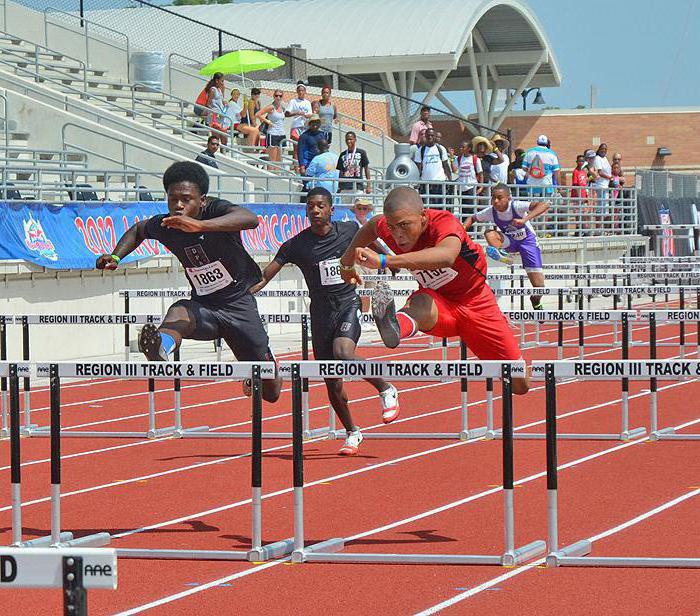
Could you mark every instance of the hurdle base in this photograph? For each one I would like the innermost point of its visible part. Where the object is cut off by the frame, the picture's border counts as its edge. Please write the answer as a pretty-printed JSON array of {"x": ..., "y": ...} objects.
[
  {"x": 45, "y": 433},
  {"x": 326, "y": 432},
  {"x": 629, "y": 562},
  {"x": 670, "y": 434},
  {"x": 42, "y": 542},
  {"x": 27, "y": 430},
  {"x": 185, "y": 432},
  {"x": 574, "y": 436},
  {"x": 323, "y": 548},
  {"x": 524, "y": 553},
  {"x": 95, "y": 541},
  {"x": 457, "y": 436},
  {"x": 272, "y": 550},
  {"x": 578, "y": 549}
]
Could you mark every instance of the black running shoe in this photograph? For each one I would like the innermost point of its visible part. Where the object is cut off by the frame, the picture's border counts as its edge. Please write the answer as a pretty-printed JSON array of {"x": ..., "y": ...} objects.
[
  {"x": 384, "y": 313},
  {"x": 150, "y": 343}
]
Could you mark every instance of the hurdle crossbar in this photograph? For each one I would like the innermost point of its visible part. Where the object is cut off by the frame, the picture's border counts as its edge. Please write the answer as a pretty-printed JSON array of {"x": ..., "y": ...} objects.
[
  {"x": 327, "y": 551},
  {"x": 576, "y": 554}
]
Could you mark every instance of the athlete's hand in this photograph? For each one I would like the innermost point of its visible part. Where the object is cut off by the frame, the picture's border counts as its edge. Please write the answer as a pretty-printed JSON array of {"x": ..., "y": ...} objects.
[
  {"x": 366, "y": 257},
  {"x": 106, "y": 262},
  {"x": 350, "y": 276},
  {"x": 183, "y": 223},
  {"x": 519, "y": 222}
]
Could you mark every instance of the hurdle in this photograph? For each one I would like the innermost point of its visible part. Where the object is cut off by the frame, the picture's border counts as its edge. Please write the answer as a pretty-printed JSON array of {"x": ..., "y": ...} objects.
[
  {"x": 75, "y": 571},
  {"x": 576, "y": 554},
  {"x": 327, "y": 551},
  {"x": 257, "y": 372}
]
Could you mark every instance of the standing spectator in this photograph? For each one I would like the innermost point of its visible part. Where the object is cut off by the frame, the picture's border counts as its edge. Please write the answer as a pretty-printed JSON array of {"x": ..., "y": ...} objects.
[
  {"x": 215, "y": 104},
  {"x": 353, "y": 163},
  {"x": 579, "y": 192},
  {"x": 363, "y": 208},
  {"x": 326, "y": 110},
  {"x": 308, "y": 143},
  {"x": 206, "y": 157},
  {"x": 541, "y": 166},
  {"x": 324, "y": 166},
  {"x": 617, "y": 158},
  {"x": 423, "y": 124},
  {"x": 248, "y": 125},
  {"x": 500, "y": 161},
  {"x": 431, "y": 159},
  {"x": 273, "y": 116},
  {"x": 469, "y": 172},
  {"x": 438, "y": 137},
  {"x": 602, "y": 187},
  {"x": 516, "y": 173},
  {"x": 617, "y": 182},
  {"x": 299, "y": 109}
]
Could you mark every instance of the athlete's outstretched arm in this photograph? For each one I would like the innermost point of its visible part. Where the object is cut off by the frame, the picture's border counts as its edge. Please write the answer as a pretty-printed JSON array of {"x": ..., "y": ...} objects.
[
  {"x": 128, "y": 242},
  {"x": 236, "y": 219},
  {"x": 444, "y": 254},
  {"x": 364, "y": 237},
  {"x": 268, "y": 274},
  {"x": 537, "y": 208}
]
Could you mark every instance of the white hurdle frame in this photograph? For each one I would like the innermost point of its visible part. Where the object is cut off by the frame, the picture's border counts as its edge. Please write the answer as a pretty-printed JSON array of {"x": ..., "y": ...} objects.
[
  {"x": 576, "y": 554},
  {"x": 327, "y": 551},
  {"x": 256, "y": 371}
]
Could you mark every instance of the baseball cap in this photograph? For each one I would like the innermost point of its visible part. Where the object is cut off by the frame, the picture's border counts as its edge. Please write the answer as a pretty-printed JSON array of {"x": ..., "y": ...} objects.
[
  {"x": 542, "y": 140},
  {"x": 589, "y": 153},
  {"x": 314, "y": 118}
]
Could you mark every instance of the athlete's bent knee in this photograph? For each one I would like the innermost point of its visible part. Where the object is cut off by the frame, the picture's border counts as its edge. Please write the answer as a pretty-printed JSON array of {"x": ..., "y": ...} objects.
[
  {"x": 271, "y": 390},
  {"x": 521, "y": 386}
]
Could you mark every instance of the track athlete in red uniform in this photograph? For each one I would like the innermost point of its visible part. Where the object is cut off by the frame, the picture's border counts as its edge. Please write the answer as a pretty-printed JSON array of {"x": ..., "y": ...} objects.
[
  {"x": 205, "y": 236},
  {"x": 453, "y": 298},
  {"x": 335, "y": 306}
]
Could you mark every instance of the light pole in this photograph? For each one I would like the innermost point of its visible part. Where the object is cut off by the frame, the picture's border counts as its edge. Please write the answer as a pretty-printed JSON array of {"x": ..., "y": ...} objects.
[{"x": 539, "y": 99}]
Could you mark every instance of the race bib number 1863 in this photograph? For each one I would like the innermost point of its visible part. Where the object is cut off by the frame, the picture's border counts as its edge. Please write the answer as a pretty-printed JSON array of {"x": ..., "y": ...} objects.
[{"x": 209, "y": 278}]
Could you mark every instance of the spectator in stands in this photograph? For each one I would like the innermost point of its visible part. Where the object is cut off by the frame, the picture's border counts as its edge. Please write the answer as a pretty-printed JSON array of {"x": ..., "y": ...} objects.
[
  {"x": 516, "y": 173},
  {"x": 206, "y": 157},
  {"x": 308, "y": 143},
  {"x": 353, "y": 163},
  {"x": 232, "y": 111},
  {"x": 617, "y": 158},
  {"x": 438, "y": 137},
  {"x": 467, "y": 166},
  {"x": 326, "y": 110},
  {"x": 299, "y": 109},
  {"x": 617, "y": 182},
  {"x": 248, "y": 125},
  {"x": 500, "y": 161},
  {"x": 323, "y": 166},
  {"x": 423, "y": 124},
  {"x": 602, "y": 187},
  {"x": 215, "y": 104},
  {"x": 433, "y": 166},
  {"x": 579, "y": 209},
  {"x": 541, "y": 166},
  {"x": 273, "y": 117}
]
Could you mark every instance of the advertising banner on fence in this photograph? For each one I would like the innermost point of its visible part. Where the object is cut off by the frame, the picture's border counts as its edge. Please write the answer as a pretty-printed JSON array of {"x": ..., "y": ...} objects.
[{"x": 72, "y": 235}]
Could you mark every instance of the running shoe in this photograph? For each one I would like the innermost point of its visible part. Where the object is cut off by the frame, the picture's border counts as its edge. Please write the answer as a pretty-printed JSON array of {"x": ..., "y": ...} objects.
[
  {"x": 247, "y": 387},
  {"x": 538, "y": 306},
  {"x": 390, "y": 404},
  {"x": 384, "y": 313},
  {"x": 498, "y": 255},
  {"x": 352, "y": 444},
  {"x": 150, "y": 343}
]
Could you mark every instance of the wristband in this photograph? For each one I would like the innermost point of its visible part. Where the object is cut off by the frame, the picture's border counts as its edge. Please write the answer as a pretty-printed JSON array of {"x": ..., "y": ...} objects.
[
  {"x": 382, "y": 261},
  {"x": 116, "y": 258},
  {"x": 347, "y": 268}
]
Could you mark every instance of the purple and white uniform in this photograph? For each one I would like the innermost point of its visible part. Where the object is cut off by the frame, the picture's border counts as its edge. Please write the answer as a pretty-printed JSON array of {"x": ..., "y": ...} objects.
[{"x": 522, "y": 240}]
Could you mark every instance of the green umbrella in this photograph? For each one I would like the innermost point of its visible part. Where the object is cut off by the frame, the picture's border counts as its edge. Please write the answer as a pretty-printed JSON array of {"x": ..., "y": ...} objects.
[{"x": 241, "y": 61}]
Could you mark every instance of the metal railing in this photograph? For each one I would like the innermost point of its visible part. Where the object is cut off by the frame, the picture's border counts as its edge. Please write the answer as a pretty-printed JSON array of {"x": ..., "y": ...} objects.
[
  {"x": 666, "y": 184},
  {"x": 85, "y": 25},
  {"x": 5, "y": 114},
  {"x": 39, "y": 157}
]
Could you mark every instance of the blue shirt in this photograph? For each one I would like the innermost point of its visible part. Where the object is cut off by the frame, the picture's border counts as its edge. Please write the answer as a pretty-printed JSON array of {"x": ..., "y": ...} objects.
[
  {"x": 308, "y": 146},
  {"x": 324, "y": 166}
]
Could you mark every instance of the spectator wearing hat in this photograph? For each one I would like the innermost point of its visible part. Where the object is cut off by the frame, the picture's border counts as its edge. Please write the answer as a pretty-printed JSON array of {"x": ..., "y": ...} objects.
[
  {"x": 308, "y": 143},
  {"x": 421, "y": 126},
  {"x": 500, "y": 161},
  {"x": 541, "y": 165}
]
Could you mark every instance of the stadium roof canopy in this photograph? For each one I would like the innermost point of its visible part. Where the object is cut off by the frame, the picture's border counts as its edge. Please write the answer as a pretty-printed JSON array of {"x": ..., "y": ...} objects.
[{"x": 405, "y": 46}]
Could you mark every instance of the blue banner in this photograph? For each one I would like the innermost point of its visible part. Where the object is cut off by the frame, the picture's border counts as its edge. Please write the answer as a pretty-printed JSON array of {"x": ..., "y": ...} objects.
[{"x": 73, "y": 235}]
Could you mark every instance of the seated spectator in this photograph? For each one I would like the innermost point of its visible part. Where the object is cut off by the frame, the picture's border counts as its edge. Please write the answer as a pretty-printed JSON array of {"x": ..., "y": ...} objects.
[
  {"x": 432, "y": 162},
  {"x": 323, "y": 166},
  {"x": 232, "y": 111},
  {"x": 326, "y": 110},
  {"x": 467, "y": 166},
  {"x": 206, "y": 157},
  {"x": 308, "y": 143},
  {"x": 248, "y": 125},
  {"x": 420, "y": 126},
  {"x": 353, "y": 163}
]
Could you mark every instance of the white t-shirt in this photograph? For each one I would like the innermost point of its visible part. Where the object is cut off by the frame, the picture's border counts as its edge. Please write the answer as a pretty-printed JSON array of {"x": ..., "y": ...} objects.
[
  {"x": 299, "y": 104},
  {"x": 499, "y": 171},
  {"x": 433, "y": 157},
  {"x": 521, "y": 208},
  {"x": 466, "y": 171},
  {"x": 602, "y": 164}
]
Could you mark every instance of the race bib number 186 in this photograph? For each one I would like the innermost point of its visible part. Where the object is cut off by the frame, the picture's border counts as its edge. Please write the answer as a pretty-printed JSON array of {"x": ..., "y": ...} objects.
[{"x": 330, "y": 272}]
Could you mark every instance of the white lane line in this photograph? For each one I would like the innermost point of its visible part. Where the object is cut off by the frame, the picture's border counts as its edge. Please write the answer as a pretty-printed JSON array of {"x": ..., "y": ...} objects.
[
  {"x": 506, "y": 576},
  {"x": 484, "y": 586}
]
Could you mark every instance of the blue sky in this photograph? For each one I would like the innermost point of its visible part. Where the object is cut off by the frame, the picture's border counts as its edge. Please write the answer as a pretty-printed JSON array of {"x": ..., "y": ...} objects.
[{"x": 639, "y": 53}]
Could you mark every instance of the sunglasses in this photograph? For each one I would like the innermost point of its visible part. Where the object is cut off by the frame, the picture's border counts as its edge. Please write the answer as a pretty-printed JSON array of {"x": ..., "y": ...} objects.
[{"x": 278, "y": 96}]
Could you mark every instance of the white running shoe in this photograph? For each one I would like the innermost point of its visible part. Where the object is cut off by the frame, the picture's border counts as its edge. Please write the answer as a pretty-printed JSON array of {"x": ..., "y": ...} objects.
[
  {"x": 352, "y": 444},
  {"x": 390, "y": 404}
]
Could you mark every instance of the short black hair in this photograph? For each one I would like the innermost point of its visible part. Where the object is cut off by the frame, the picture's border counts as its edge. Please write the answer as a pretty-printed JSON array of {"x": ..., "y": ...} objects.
[
  {"x": 500, "y": 186},
  {"x": 424, "y": 108},
  {"x": 186, "y": 171},
  {"x": 318, "y": 190},
  {"x": 351, "y": 132},
  {"x": 254, "y": 91},
  {"x": 211, "y": 138}
]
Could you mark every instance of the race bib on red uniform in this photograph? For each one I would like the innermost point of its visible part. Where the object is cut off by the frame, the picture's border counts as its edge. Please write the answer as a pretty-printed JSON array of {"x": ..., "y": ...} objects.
[
  {"x": 434, "y": 279},
  {"x": 209, "y": 278}
]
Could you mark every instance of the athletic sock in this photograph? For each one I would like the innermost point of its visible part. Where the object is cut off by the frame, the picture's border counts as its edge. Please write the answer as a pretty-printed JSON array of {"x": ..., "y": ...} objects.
[
  {"x": 168, "y": 343},
  {"x": 407, "y": 326}
]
